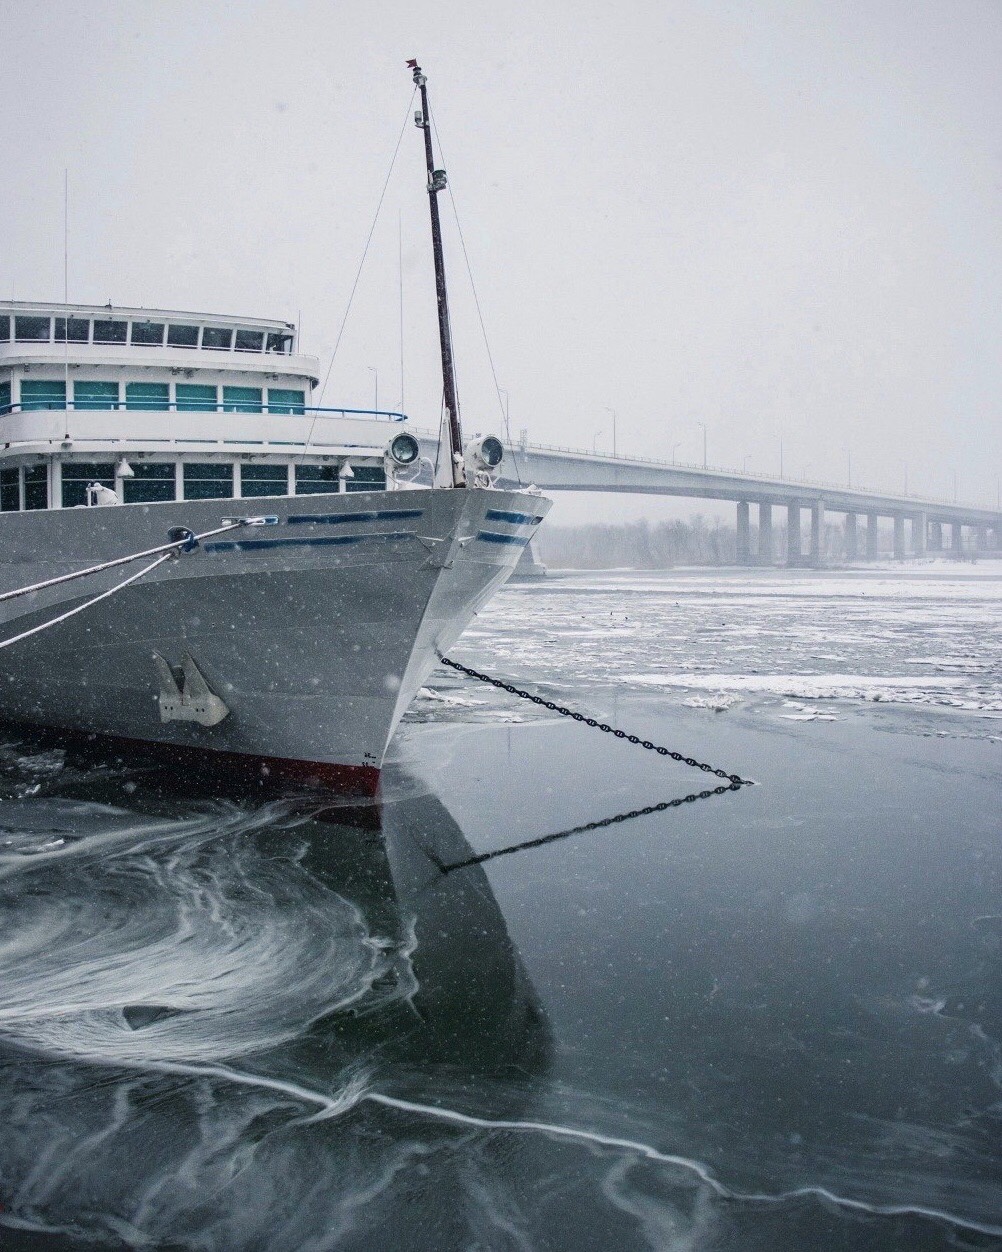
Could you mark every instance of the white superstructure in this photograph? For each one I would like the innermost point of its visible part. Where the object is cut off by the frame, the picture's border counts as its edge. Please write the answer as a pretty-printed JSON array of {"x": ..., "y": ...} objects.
[
  {"x": 183, "y": 400},
  {"x": 294, "y": 648}
]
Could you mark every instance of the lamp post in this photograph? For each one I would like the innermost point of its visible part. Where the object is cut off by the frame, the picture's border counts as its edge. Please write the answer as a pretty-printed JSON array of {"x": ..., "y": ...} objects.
[
  {"x": 744, "y": 464},
  {"x": 702, "y": 426},
  {"x": 375, "y": 375},
  {"x": 673, "y": 447},
  {"x": 613, "y": 412},
  {"x": 594, "y": 443}
]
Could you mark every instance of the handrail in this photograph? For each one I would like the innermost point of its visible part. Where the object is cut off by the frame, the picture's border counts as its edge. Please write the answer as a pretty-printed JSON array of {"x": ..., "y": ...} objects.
[{"x": 285, "y": 409}]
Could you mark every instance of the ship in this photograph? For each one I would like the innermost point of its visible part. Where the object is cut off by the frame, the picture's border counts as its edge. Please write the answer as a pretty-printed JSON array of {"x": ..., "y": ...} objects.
[{"x": 304, "y": 582}]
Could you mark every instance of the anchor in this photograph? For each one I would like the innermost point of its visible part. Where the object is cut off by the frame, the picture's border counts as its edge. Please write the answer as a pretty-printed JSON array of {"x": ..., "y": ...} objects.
[{"x": 193, "y": 700}]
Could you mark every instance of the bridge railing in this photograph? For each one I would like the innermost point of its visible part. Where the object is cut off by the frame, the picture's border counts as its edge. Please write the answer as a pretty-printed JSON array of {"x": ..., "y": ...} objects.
[
  {"x": 736, "y": 473},
  {"x": 751, "y": 477}
]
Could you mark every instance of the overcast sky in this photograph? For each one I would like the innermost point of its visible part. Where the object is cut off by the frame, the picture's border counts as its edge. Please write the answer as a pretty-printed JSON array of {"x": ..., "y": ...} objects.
[{"x": 781, "y": 220}]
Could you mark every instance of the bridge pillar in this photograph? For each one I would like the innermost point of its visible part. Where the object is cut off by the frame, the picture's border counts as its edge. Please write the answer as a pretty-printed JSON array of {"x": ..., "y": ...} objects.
[
  {"x": 851, "y": 538},
  {"x": 899, "y": 536},
  {"x": 793, "y": 550},
  {"x": 957, "y": 538},
  {"x": 765, "y": 552},
  {"x": 872, "y": 549},
  {"x": 529, "y": 565},
  {"x": 817, "y": 530},
  {"x": 981, "y": 539},
  {"x": 936, "y": 536},
  {"x": 919, "y": 524},
  {"x": 744, "y": 532}
]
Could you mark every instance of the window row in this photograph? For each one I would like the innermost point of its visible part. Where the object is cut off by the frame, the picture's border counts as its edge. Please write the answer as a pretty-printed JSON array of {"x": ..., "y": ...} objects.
[
  {"x": 50, "y": 393},
  {"x": 157, "y": 481},
  {"x": 35, "y": 329}
]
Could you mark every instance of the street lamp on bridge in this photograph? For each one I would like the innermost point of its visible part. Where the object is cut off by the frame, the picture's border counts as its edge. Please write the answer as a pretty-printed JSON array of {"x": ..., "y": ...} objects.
[
  {"x": 613, "y": 412},
  {"x": 703, "y": 428}
]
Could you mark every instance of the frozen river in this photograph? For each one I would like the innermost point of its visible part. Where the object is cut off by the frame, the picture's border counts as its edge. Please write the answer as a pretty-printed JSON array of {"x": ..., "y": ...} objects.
[{"x": 769, "y": 1019}]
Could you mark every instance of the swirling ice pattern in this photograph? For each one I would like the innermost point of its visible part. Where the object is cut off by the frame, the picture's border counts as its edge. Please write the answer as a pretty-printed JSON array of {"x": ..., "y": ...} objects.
[{"x": 186, "y": 945}]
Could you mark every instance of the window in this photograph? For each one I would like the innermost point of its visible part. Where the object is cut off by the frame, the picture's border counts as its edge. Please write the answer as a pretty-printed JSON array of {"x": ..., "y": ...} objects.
[
  {"x": 210, "y": 481},
  {"x": 148, "y": 332},
  {"x": 315, "y": 479},
  {"x": 367, "y": 478},
  {"x": 43, "y": 393},
  {"x": 182, "y": 336},
  {"x": 78, "y": 475},
  {"x": 277, "y": 340},
  {"x": 215, "y": 337},
  {"x": 282, "y": 401},
  {"x": 194, "y": 398},
  {"x": 31, "y": 329},
  {"x": 250, "y": 340},
  {"x": 110, "y": 332},
  {"x": 10, "y": 490},
  {"x": 94, "y": 395},
  {"x": 148, "y": 396},
  {"x": 36, "y": 486},
  {"x": 264, "y": 480},
  {"x": 72, "y": 330},
  {"x": 152, "y": 481},
  {"x": 4, "y": 398},
  {"x": 241, "y": 399},
  {"x": 4, "y": 329}
]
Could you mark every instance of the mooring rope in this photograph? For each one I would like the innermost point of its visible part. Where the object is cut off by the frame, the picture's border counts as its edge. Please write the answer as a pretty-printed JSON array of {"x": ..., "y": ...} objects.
[
  {"x": 34, "y": 630},
  {"x": 186, "y": 541},
  {"x": 120, "y": 560}
]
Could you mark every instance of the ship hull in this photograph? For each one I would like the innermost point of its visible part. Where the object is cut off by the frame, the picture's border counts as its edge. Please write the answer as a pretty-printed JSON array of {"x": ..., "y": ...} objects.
[{"x": 316, "y": 632}]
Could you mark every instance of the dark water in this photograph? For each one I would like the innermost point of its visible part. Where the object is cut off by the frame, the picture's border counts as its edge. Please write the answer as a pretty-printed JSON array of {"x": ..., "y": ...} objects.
[{"x": 764, "y": 1020}]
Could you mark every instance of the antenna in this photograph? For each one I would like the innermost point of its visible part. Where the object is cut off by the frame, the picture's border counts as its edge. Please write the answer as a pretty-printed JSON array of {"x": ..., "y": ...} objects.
[{"x": 66, "y": 302}]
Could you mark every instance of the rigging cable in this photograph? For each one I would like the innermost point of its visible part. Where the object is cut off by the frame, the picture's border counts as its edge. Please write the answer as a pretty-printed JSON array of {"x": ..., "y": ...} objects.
[
  {"x": 358, "y": 272},
  {"x": 476, "y": 301}
]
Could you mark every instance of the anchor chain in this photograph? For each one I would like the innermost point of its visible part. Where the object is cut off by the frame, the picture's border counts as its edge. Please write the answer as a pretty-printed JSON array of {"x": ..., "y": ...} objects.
[{"x": 735, "y": 780}]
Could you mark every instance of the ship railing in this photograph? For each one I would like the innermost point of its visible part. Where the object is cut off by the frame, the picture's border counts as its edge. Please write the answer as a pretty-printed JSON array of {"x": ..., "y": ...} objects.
[{"x": 191, "y": 406}]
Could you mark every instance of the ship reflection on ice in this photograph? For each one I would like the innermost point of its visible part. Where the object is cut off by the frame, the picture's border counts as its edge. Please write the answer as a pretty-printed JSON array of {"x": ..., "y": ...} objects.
[{"x": 195, "y": 1004}]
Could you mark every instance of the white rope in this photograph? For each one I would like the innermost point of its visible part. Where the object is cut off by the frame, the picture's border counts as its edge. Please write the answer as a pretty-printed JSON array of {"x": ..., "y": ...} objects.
[
  {"x": 25, "y": 634},
  {"x": 121, "y": 560}
]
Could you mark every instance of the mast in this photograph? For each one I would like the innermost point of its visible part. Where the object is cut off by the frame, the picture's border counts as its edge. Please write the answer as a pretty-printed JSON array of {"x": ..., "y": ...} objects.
[{"x": 437, "y": 182}]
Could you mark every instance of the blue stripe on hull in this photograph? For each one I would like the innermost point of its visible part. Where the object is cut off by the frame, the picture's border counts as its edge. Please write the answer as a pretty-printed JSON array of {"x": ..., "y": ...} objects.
[
  {"x": 489, "y": 536},
  {"x": 321, "y": 541},
  {"x": 516, "y": 519},
  {"x": 336, "y": 519}
]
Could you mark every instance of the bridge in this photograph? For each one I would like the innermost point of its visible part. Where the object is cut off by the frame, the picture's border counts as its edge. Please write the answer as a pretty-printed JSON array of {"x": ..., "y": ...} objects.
[{"x": 919, "y": 523}]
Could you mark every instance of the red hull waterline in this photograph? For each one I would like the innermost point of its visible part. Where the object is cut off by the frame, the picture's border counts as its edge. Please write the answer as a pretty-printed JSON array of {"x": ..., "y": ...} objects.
[{"x": 351, "y": 780}]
